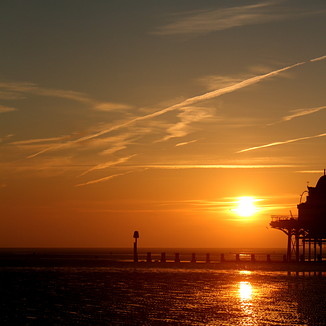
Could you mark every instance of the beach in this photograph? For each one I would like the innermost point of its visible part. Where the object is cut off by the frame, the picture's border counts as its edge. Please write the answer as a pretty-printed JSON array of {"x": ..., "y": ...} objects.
[{"x": 98, "y": 291}]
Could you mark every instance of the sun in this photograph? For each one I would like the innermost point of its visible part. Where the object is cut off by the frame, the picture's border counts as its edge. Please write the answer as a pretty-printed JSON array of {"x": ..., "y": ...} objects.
[{"x": 245, "y": 206}]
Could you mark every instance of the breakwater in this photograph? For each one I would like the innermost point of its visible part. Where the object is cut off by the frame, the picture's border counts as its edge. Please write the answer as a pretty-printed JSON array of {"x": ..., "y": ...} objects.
[{"x": 165, "y": 257}]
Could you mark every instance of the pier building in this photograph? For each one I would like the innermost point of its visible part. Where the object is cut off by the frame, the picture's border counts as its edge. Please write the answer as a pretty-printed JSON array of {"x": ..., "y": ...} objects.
[{"x": 306, "y": 232}]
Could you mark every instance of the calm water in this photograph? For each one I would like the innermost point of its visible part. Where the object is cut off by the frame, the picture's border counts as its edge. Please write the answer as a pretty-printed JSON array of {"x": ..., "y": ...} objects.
[{"x": 159, "y": 296}]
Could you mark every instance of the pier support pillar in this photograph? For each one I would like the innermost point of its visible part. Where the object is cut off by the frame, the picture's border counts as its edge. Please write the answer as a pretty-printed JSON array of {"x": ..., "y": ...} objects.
[
  {"x": 297, "y": 248},
  {"x": 288, "y": 254}
]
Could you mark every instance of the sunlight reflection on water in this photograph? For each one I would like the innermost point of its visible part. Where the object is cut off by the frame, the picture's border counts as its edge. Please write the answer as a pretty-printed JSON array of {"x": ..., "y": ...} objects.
[{"x": 157, "y": 296}]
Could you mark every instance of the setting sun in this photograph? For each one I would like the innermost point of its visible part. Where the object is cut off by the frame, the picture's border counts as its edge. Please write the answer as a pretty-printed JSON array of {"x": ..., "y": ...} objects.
[{"x": 245, "y": 206}]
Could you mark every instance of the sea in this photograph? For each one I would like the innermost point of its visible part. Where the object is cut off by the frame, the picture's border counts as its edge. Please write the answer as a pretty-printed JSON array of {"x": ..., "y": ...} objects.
[{"x": 104, "y": 287}]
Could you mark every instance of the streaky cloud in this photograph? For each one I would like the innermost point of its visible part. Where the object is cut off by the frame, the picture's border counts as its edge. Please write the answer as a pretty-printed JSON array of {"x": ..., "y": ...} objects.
[
  {"x": 213, "y": 166},
  {"x": 5, "y": 109},
  {"x": 303, "y": 112},
  {"x": 37, "y": 140},
  {"x": 102, "y": 179},
  {"x": 281, "y": 143},
  {"x": 32, "y": 88},
  {"x": 109, "y": 164},
  {"x": 318, "y": 59},
  {"x": 186, "y": 142},
  {"x": 206, "y": 21},
  {"x": 188, "y": 102},
  {"x": 188, "y": 115}
]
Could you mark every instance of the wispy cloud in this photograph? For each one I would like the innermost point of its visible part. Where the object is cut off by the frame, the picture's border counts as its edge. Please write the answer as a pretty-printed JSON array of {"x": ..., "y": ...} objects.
[
  {"x": 310, "y": 171},
  {"x": 206, "y": 21},
  {"x": 108, "y": 164},
  {"x": 6, "y": 137},
  {"x": 323, "y": 57},
  {"x": 102, "y": 179},
  {"x": 186, "y": 142},
  {"x": 188, "y": 102},
  {"x": 4, "y": 109},
  {"x": 302, "y": 112},
  {"x": 37, "y": 140},
  {"x": 281, "y": 143},
  {"x": 18, "y": 89},
  {"x": 187, "y": 116},
  {"x": 213, "y": 166}
]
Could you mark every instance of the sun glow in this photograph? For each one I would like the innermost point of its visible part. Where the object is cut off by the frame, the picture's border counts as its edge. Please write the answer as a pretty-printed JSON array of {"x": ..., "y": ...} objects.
[
  {"x": 245, "y": 290},
  {"x": 245, "y": 206}
]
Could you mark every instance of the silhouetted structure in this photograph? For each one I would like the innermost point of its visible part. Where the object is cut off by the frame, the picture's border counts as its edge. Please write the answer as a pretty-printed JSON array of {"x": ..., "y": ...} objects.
[
  {"x": 136, "y": 236},
  {"x": 308, "y": 229}
]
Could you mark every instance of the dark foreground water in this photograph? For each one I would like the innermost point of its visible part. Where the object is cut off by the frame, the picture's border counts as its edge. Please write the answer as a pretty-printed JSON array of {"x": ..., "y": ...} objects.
[{"x": 122, "y": 295}]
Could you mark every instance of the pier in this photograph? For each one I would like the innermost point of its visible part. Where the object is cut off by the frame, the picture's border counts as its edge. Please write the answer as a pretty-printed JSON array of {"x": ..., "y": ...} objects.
[{"x": 306, "y": 233}]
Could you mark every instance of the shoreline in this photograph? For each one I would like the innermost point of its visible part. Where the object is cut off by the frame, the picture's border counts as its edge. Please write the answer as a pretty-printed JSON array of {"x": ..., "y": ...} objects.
[{"x": 92, "y": 262}]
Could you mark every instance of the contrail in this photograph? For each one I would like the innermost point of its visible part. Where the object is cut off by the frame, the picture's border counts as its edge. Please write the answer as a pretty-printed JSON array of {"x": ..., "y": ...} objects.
[
  {"x": 281, "y": 143},
  {"x": 103, "y": 179},
  {"x": 192, "y": 100},
  {"x": 303, "y": 112},
  {"x": 108, "y": 164}
]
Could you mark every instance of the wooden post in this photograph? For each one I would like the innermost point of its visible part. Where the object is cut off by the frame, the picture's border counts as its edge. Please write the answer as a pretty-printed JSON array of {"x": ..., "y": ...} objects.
[
  {"x": 136, "y": 236},
  {"x": 237, "y": 257},
  {"x": 253, "y": 258},
  {"x": 149, "y": 257},
  {"x": 268, "y": 258},
  {"x": 177, "y": 258},
  {"x": 222, "y": 258},
  {"x": 193, "y": 257},
  {"x": 163, "y": 257},
  {"x": 208, "y": 259}
]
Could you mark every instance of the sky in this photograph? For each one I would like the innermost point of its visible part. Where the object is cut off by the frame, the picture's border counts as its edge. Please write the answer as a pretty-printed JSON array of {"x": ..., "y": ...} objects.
[{"x": 157, "y": 116}]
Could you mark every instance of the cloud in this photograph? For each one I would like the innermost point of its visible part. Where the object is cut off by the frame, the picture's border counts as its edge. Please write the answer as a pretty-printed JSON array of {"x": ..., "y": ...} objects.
[
  {"x": 108, "y": 164},
  {"x": 206, "y": 21},
  {"x": 188, "y": 102},
  {"x": 4, "y": 109},
  {"x": 110, "y": 106},
  {"x": 4, "y": 138},
  {"x": 37, "y": 140},
  {"x": 187, "y": 142},
  {"x": 31, "y": 88},
  {"x": 187, "y": 116},
  {"x": 318, "y": 59},
  {"x": 102, "y": 179},
  {"x": 302, "y": 112},
  {"x": 213, "y": 166},
  {"x": 213, "y": 82},
  {"x": 281, "y": 143}
]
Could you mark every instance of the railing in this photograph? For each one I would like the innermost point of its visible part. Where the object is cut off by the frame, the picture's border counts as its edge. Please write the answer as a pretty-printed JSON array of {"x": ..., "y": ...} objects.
[
  {"x": 280, "y": 218},
  {"x": 207, "y": 258}
]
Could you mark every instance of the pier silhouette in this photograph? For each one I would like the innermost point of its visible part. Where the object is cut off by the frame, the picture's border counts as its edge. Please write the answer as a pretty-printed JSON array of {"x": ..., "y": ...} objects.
[{"x": 307, "y": 231}]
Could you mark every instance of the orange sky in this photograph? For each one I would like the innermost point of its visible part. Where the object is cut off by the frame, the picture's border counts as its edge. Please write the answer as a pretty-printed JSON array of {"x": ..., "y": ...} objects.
[{"x": 156, "y": 117}]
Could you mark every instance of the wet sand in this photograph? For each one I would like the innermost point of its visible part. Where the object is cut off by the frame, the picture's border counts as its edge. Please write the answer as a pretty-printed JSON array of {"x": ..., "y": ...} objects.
[{"x": 9, "y": 260}]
